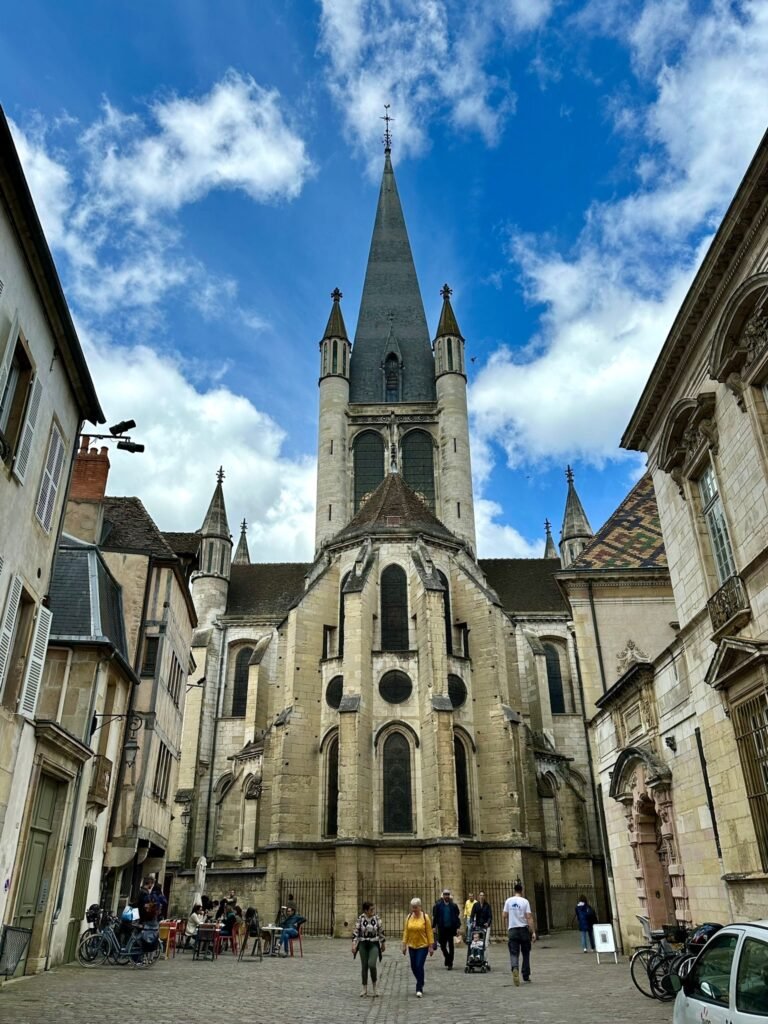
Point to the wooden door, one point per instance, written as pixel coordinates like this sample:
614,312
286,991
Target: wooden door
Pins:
35,878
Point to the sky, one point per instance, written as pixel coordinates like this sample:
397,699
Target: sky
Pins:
206,173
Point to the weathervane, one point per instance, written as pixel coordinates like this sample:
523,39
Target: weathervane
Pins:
387,133
220,474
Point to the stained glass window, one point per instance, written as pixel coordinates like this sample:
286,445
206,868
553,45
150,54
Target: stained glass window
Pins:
447,613
554,679
332,799
394,609
240,683
334,691
457,691
395,687
369,464
391,378
396,784
418,464
462,787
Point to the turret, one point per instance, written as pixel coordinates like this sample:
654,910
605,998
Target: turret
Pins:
332,486
210,583
576,532
456,505
550,551
242,554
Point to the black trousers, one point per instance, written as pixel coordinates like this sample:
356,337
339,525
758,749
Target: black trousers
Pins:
445,937
520,946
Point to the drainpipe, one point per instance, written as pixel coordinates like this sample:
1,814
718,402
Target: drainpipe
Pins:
711,806
218,626
597,635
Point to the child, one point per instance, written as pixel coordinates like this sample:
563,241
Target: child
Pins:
476,948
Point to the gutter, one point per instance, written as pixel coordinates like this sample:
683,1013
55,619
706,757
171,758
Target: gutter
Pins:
214,742
597,636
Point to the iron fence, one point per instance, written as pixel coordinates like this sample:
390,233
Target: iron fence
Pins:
313,898
562,904
13,945
393,897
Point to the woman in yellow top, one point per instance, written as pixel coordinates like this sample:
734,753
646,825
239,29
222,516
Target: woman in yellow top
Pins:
418,941
470,902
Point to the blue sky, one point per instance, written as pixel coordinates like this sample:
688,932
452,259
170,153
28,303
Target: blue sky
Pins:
207,173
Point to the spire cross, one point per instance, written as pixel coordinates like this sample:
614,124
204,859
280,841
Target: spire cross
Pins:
387,133
220,474
336,295
569,474
547,526
446,292
243,526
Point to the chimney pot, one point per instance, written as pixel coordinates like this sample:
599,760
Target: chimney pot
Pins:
89,474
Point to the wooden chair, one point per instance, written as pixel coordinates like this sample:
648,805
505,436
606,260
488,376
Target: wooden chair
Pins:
253,932
167,937
298,939
205,942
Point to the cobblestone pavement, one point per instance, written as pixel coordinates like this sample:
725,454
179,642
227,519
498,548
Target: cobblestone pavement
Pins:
567,986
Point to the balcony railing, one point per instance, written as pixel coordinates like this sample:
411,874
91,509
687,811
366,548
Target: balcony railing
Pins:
101,776
729,608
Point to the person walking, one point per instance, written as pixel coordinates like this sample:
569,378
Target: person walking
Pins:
482,915
587,918
518,920
418,942
368,940
446,918
468,904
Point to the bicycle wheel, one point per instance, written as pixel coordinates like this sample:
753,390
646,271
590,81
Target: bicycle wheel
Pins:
92,950
638,968
659,969
137,955
684,964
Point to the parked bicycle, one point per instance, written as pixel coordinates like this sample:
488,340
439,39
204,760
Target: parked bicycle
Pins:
671,951
97,945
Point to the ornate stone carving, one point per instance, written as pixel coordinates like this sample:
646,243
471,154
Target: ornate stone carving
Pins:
736,386
755,335
631,654
254,788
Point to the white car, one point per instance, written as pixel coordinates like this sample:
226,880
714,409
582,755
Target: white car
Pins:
728,983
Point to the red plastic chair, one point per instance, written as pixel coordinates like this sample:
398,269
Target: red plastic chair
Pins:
298,939
230,939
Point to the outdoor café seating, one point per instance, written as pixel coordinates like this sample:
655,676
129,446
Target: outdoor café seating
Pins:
205,942
167,935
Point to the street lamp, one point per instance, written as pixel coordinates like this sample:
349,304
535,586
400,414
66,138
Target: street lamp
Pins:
186,814
133,724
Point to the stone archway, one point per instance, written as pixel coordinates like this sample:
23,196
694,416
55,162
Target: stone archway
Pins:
642,783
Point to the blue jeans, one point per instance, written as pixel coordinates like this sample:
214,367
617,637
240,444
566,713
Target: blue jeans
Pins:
584,935
287,935
418,959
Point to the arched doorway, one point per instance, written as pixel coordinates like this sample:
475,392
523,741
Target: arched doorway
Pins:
642,782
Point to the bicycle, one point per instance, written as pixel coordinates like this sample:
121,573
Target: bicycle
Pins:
96,948
649,964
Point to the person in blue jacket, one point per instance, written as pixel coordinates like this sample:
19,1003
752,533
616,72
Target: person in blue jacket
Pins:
446,920
586,918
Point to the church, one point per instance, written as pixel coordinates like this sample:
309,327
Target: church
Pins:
397,715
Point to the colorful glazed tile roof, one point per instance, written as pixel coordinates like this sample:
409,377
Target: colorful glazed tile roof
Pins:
631,538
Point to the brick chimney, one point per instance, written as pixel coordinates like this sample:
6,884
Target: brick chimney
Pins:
90,472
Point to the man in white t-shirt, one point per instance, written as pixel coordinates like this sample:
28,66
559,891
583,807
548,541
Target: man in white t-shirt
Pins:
518,920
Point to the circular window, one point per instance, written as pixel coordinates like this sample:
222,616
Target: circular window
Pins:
457,691
333,692
395,687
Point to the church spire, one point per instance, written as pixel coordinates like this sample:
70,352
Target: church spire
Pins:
242,554
448,325
391,322
215,523
335,327
576,532
550,551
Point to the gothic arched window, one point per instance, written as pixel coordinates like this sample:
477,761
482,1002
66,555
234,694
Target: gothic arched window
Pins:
462,787
369,464
344,359
447,613
391,378
340,646
394,609
332,788
335,358
449,343
240,682
396,784
554,679
418,464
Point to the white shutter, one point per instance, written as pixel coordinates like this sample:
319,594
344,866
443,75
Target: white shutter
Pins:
8,625
7,354
49,483
33,672
24,452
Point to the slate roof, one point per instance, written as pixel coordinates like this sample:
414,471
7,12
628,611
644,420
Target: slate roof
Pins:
575,522
215,523
129,527
525,584
336,328
448,324
394,507
268,589
631,538
391,309
182,543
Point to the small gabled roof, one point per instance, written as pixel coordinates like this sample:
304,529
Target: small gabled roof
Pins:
631,538
392,508
267,590
187,544
129,527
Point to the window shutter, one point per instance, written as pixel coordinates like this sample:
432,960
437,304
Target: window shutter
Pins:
9,623
21,462
33,673
49,484
7,354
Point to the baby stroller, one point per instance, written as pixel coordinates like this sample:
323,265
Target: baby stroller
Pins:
476,958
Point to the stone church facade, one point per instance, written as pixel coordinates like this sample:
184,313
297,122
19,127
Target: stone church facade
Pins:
396,710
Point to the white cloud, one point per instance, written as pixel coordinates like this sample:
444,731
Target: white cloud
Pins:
499,540
187,435
608,304
428,58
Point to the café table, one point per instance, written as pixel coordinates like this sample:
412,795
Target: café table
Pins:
274,932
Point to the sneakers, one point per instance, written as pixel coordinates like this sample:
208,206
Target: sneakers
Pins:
586,950
516,975
419,995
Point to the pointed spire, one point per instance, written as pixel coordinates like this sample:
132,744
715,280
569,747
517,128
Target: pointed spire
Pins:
336,327
448,324
576,532
242,554
391,302
550,551
215,523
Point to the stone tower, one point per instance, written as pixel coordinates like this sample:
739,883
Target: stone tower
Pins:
576,532
331,512
211,583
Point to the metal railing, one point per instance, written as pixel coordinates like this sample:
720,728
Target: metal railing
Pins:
13,945
101,776
729,606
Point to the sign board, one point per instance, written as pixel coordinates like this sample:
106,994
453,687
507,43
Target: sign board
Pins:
604,941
